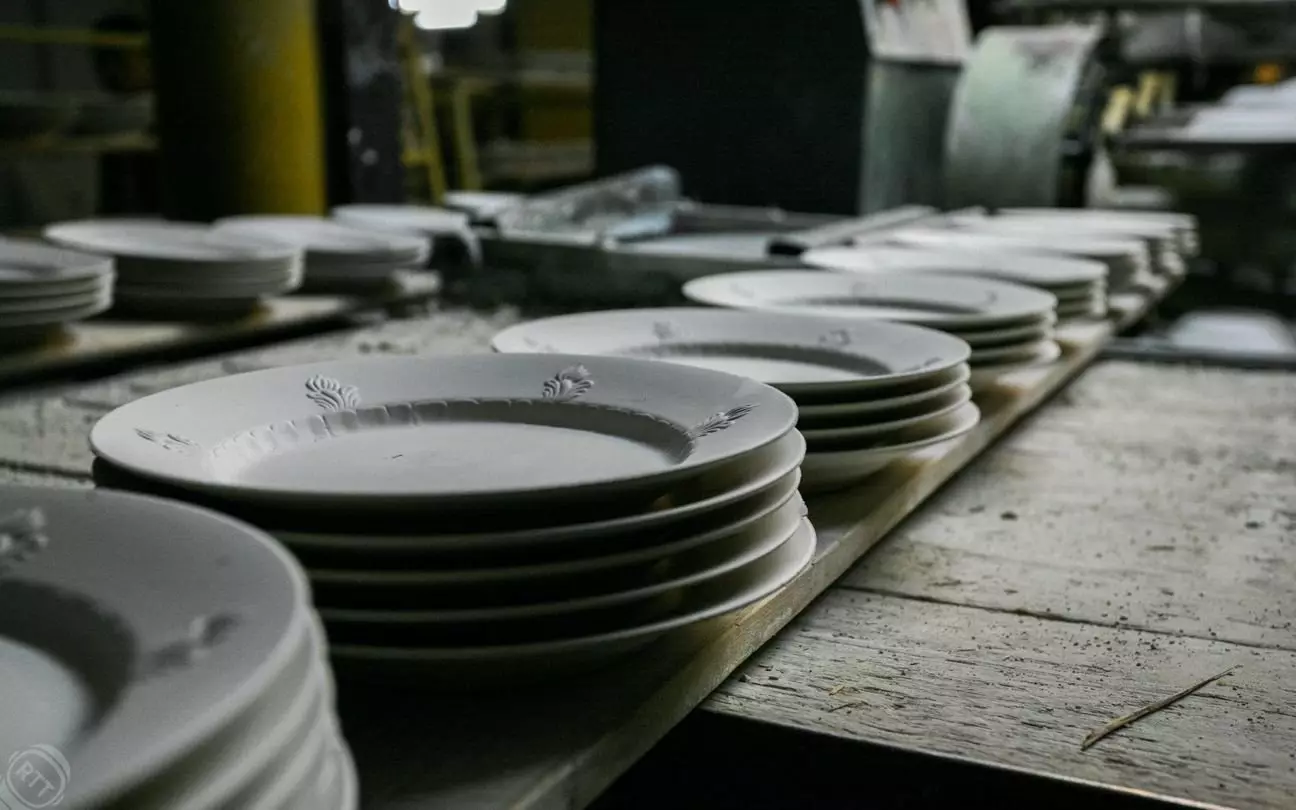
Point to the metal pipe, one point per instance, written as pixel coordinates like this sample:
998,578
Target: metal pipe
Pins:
238,105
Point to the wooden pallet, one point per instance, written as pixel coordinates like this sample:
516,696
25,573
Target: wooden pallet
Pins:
561,746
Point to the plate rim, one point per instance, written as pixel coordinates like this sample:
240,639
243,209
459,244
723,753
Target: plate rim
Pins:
951,350
774,410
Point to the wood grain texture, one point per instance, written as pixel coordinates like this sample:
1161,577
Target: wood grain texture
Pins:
559,748
1152,497
1022,692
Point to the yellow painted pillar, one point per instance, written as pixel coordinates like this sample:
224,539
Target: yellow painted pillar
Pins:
238,105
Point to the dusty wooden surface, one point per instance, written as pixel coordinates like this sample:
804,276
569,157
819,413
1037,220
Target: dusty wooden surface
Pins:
102,340
561,747
1137,535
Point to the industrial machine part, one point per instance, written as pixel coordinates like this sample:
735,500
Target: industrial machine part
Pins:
238,107
1025,125
831,106
632,239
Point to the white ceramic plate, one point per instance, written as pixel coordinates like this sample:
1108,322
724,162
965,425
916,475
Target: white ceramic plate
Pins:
226,763
940,301
1001,355
840,463
20,292
44,317
693,567
708,600
992,338
25,306
165,654
715,495
1069,227
1045,272
1071,292
1185,225
404,218
25,264
894,421
745,246
1103,248
612,556
988,375
1124,258
464,430
288,770
172,241
331,242
889,400
271,284
483,204
793,353
201,281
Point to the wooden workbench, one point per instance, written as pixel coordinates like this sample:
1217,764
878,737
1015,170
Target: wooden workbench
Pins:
1137,536
557,747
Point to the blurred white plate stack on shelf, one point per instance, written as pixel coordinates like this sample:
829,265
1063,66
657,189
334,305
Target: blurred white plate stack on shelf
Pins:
1128,262
171,269
446,228
43,288
1080,285
337,256
1008,326
1163,239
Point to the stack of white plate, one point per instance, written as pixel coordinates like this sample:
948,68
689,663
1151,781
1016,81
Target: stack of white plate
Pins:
1128,262
1080,285
1161,238
1183,225
867,392
446,228
1008,326
170,269
501,514
158,656
337,256
43,288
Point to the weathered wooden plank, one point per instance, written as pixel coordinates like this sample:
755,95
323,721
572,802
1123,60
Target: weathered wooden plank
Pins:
100,341
559,748
1022,692
1152,497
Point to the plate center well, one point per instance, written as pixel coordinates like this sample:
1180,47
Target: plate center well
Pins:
43,702
452,448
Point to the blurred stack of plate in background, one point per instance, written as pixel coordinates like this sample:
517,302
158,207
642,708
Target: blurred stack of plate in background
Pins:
482,206
337,256
172,269
1184,225
43,288
1008,326
1128,262
867,392
1162,238
1185,245
1080,285
170,653
450,231
492,515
